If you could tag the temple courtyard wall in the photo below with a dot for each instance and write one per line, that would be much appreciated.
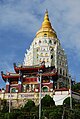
(19, 99)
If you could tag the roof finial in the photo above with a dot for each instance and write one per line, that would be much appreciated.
(46, 17)
(46, 11)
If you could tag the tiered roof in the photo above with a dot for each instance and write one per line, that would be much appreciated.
(30, 73)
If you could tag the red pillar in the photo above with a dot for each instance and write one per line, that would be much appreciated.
(7, 87)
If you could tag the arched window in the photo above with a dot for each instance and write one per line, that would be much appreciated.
(39, 41)
(50, 41)
(60, 70)
(51, 56)
(13, 90)
(55, 42)
(41, 54)
(45, 88)
(63, 72)
(45, 35)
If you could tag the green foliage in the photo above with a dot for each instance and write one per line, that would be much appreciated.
(4, 105)
(54, 112)
(66, 102)
(50, 111)
(47, 101)
(76, 87)
(29, 105)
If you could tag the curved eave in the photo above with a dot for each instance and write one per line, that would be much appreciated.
(29, 69)
(4, 76)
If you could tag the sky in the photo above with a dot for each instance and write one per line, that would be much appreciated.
(21, 19)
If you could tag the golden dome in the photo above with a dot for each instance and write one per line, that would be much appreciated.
(46, 29)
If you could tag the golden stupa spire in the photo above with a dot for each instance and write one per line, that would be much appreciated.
(46, 17)
(46, 27)
(46, 22)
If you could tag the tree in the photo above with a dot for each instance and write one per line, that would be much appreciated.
(66, 102)
(29, 105)
(47, 101)
(76, 87)
(29, 110)
(4, 105)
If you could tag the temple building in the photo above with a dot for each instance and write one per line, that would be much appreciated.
(45, 54)
(26, 79)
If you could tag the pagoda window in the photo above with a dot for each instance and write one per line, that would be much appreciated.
(41, 54)
(51, 56)
(35, 43)
(63, 72)
(55, 42)
(47, 59)
(45, 35)
(39, 41)
(50, 41)
(60, 70)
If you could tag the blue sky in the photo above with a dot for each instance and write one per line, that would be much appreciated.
(21, 19)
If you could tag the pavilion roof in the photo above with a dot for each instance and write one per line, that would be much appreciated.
(9, 75)
(34, 68)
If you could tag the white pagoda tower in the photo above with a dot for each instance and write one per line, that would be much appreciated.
(46, 47)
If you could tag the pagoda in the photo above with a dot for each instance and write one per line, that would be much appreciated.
(47, 47)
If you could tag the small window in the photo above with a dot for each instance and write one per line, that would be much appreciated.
(50, 41)
(39, 41)
(35, 43)
(55, 42)
(63, 72)
(51, 56)
(60, 70)
(41, 54)
(45, 35)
